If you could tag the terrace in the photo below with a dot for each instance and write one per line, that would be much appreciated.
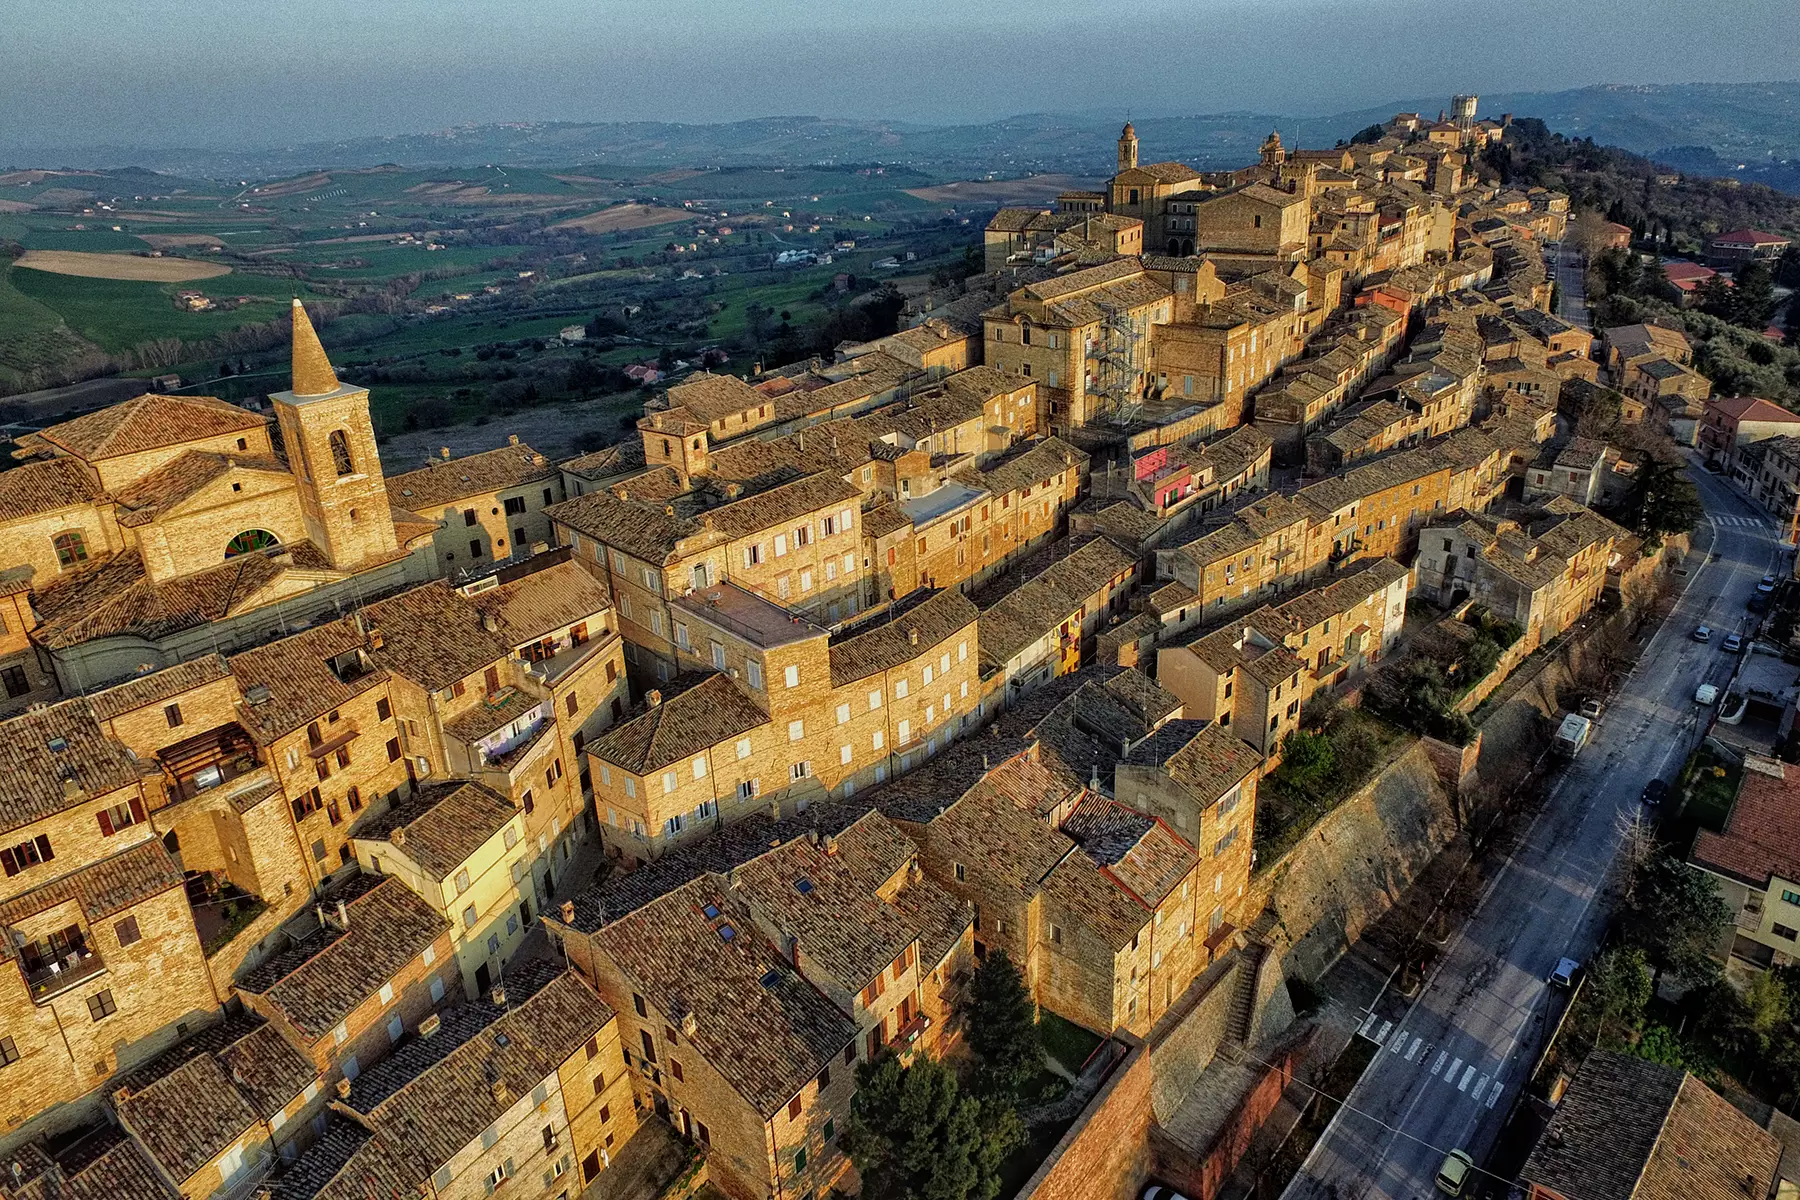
(57, 962)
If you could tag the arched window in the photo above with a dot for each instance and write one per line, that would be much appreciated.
(340, 453)
(71, 548)
(250, 541)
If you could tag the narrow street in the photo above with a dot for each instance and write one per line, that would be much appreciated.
(1570, 275)
(1451, 1062)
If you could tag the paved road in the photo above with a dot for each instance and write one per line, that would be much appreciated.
(1570, 275)
(1452, 1062)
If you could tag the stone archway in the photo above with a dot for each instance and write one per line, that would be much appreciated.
(251, 541)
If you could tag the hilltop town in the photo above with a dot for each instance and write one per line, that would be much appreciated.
(383, 829)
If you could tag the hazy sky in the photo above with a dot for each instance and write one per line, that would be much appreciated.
(248, 73)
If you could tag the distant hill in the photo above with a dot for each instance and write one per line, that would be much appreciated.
(1751, 129)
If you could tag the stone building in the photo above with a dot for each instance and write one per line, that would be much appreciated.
(486, 506)
(753, 971)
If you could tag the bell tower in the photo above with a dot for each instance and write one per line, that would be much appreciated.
(1128, 148)
(330, 444)
(1273, 152)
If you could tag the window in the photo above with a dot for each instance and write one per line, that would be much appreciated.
(26, 854)
(794, 1109)
(754, 673)
(905, 732)
(800, 770)
(927, 672)
(878, 739)
(340, 453)
(637, 1002)
(843, 714)
(1788, 897)
(470, 916)
(743, 748)
(669, 781)
(961, 872)
(900, 689)
(17, 684)
(874, 699)
(699, 766)
(796, 730)
(119, 816)
(746, 790)
(9, 1052)
(101, 1004)
(800, 1160)
(71, 548)
(791, 676)
(844, 755)
(462, 881)
(1782, 931)
(127, 931)
(474, 547)
(675, 1070)
(515, 505)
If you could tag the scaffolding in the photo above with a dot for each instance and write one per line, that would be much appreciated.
(1117, 394)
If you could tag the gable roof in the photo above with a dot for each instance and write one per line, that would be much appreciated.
(472, 475)
(714, 397)
(441, 825)
(149, 422)
(910, 635)
(694, 714)
(45, 486)
(1762, 834)
(167, 486)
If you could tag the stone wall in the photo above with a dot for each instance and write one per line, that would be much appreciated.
(1352, 866)
(1105, 1154)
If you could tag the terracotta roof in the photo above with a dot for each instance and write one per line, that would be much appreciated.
(779, 505)
(187, 1117)
(114, 596)
(143, 500)
(1752, 408)
(1631, 1129)
(443, 483)
(298, 674)
(158, 686)
(441, 825)
(1212, 763)
(1762, 835)
(1032, 610)
(1138, 852)
(1040, 461)
(433, 636)
(118, 1169)
(1749, 237)
(695, 714)
(350, 1162)
(319, 980)
(762, 1027)
(544, 601)
(45, 486)
(603, 464)
(41, 750)
(643, 530)
(891, 644)
(714, 397)
(101, 888)
(149, 422)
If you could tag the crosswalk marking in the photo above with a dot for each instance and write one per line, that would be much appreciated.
(1468, 1074)
(1386, 1028)
(1481, 1085)
(1397, 1042)
(1413, 1050)
(1368, 1025)
(1741, 522)
(1438, 1064)
(1494, 1094)
(1454, 1068)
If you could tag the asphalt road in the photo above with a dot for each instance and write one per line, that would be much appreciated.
(1452, 1061)
(1571, 277)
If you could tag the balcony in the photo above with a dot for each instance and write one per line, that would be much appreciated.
(910, 1032)
(77, 965)
(208, 760)
(1750, 917)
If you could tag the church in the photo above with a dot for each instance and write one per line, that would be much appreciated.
(165, 527)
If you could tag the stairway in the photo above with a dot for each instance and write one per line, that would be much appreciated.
(1243, 1000)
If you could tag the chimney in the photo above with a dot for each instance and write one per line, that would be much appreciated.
(652, 698)
(498, 995)
(512, 439)
(668, 510)
(376, 641)
(343, 914)
(733, 490)
(430, 1025)
(489, 623)
(397, 836)
(502, 1093)
(912, 637)
(444, 453)
(829, 842)
(689, 1024)
(814, 838)
(71, 789)
(568, 912)
(343, 1089)
(775, 812)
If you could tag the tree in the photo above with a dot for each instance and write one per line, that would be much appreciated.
(1793, 322)
(1755, 296)
(1002, 1030)
(1662, 501)
(1765, 1010)
(913, 1135)
(1307, 762)
(1678, 917)
(1368, 135)
(1620, 987)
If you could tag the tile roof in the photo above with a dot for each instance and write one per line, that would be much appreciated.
(1138, 852)
(544, 601)
(695, 713)
(1033, 609)
(1631, 1129)
(441, 825)
(892, 643)
(43, 753)
(149, 422)
(613, 460)
(779, 505)
(640, 528)
(433, 636)
(714, 397)
(187, 1117)
(146, 498)
(1762, 834)
(158, 686)
(318, 980)
(301, 682)
(101, 888)
(764, 1028)
(45, 486)
(1041, 460)
(1212, 763)
(122, 1170)
(1752, 408)
(445, 482)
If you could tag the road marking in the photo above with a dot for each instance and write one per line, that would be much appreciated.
(1468, 1074)
(1438, 1064)
(1413, 1050)
(1451, 1073)
(1398, 1043)
(1381, 1039)
(1480, 1086)
(1367, 1025)
(1495, 1094)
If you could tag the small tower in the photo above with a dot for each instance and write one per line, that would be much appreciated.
(1273, 153)
(1128, 148)
(330, 445)
(1462, 111)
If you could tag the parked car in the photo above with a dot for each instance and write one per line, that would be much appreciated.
(1767, 585)
(1703, 634)
(1705, 695)
(1565, 972)
(1734, 642)
(1591, 709)
(1759, 602)
(1455, 1172)
(1656, 791)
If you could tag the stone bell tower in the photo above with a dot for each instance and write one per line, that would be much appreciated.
(1128, 148)
(329, 439)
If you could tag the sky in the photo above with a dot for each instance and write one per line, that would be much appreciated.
(239, 74)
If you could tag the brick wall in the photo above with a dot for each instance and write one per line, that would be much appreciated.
(1105, 1154)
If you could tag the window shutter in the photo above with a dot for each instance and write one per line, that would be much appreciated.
(9, 861)
(106, 825)
(137, 809)
(44, 850)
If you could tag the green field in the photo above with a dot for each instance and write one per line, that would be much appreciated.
(117, 314)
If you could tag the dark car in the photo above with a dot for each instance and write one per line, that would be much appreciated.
(1759, 602)
(1655, 792)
